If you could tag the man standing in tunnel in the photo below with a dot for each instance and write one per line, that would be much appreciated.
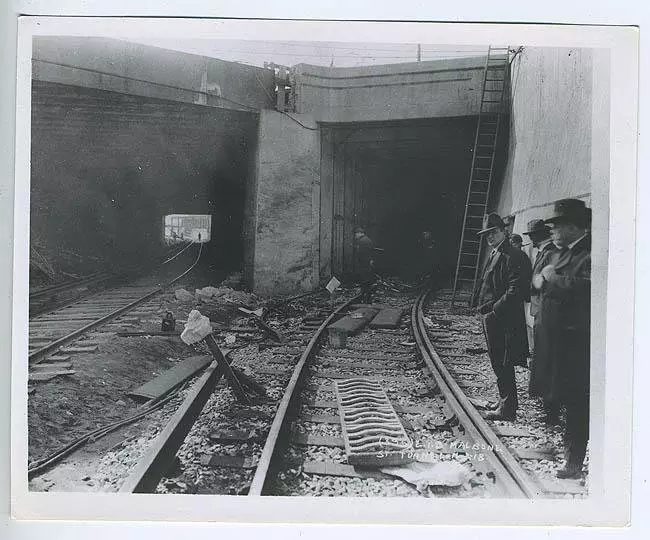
(543, 368)
(565, 282)
(499, 299)
(363, 261)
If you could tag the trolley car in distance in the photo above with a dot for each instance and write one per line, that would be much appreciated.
(179, 228)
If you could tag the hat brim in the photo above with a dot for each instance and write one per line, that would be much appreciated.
(540, 231)
(484, 231)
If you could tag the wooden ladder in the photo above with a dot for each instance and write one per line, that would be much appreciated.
(478, 192)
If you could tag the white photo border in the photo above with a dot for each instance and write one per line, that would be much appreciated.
(609, 501)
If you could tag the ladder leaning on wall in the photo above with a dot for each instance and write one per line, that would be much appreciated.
(478, 192)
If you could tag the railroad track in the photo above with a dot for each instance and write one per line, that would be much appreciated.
(56, 333)
(294, 443)
(47, 299)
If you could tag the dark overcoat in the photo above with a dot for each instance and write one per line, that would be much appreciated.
(503, 289)
(561, 362)
(541, 260)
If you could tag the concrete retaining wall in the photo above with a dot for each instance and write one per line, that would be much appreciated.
(285, 218)
(433, 89)
(130, 68)
(559, 117)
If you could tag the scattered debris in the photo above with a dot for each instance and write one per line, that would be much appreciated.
(183, 296)
(197, 327)
(422, 475)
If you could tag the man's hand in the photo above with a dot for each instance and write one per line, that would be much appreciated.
(538, 281)
(548, 272)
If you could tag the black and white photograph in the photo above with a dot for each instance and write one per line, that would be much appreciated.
(264, 261)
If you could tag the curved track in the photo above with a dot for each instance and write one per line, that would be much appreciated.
(50, 331)
(370, 357)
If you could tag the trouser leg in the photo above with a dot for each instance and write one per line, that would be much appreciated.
(576, 394)
(496, 343)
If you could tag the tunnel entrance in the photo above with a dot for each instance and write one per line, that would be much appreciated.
(396, 180)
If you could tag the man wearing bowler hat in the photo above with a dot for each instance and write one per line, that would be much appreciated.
(499, 298)
(565, 285)
(543, 368)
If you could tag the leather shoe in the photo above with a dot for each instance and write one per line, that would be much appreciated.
(570, 470)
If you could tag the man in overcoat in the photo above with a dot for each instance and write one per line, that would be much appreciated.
(543, 368)
(363, 261)
(565, 284)
(499, 299)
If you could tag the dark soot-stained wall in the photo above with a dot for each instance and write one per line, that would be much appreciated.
(398, 179)
(106, 168)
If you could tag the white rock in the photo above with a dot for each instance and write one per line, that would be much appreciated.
(183, 295)
(197, 327)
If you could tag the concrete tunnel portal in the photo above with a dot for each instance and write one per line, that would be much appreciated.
(388, 148)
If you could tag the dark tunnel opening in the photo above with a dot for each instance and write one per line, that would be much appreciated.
(123, 162)
(397, 180)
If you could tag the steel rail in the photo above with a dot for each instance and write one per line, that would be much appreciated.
(54, 289)
(36, 356)
(514, 479)
(280, 419)
(157, 460)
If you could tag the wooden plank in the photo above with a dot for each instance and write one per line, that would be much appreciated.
(342, 353)
(469, 384)
(512, 431)
(535, 453)
(153, 333)
(249, 414)
(367, 364)
(331, 468)
(54, 366)
(387, 318)
(59, 358)
(228, 462)
(564, 486)
(74, 349)
(460, 371)
(320, 418)
(234, 435)
(317, 440)
(326, 202)
(354, 322)
(48, 375)
(171, 378)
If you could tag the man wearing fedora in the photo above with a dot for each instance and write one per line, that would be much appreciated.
(543, 368)
(565, 285)
(499, 299)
